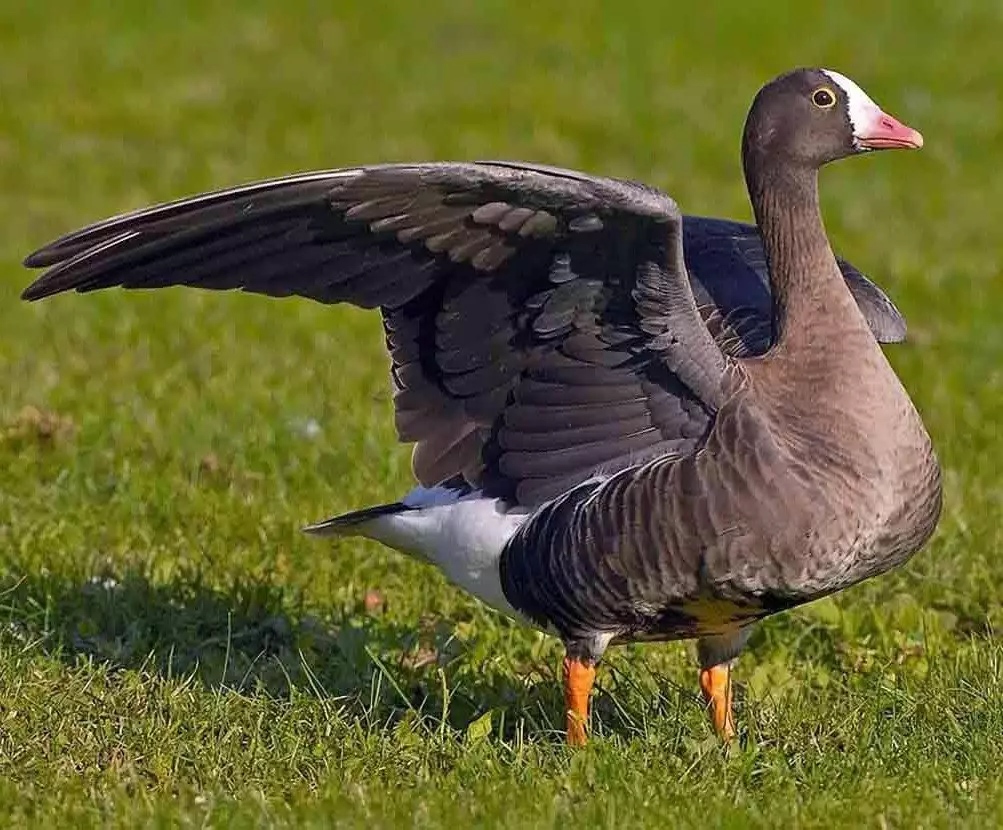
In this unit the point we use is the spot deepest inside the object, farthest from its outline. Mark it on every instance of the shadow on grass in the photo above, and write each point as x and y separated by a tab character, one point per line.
250	640
255	639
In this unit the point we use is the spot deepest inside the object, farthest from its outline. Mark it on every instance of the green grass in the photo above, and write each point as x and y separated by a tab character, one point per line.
174	652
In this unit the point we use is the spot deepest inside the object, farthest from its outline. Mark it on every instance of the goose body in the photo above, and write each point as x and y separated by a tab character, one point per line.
628	424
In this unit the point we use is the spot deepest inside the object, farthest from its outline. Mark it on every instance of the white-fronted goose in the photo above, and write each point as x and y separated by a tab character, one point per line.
601	453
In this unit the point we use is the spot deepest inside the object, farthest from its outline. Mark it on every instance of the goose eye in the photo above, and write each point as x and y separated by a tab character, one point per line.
823	98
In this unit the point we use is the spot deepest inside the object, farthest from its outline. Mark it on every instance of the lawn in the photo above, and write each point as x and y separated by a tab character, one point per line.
174	652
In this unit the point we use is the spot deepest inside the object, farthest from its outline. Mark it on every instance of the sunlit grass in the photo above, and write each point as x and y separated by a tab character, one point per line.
173	650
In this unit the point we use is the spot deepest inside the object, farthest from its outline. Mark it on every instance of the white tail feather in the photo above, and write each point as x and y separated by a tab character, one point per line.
464	540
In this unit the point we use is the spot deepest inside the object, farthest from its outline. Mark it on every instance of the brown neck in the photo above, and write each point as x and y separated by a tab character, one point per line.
811	303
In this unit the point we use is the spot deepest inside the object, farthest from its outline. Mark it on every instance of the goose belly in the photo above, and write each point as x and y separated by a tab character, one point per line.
713	542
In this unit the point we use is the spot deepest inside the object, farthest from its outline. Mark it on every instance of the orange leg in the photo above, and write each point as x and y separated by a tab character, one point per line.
578	679
715	683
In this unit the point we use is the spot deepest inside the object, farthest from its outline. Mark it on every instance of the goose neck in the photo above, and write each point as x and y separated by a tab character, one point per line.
810	299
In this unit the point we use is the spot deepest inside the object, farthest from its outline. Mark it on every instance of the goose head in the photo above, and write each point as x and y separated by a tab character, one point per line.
809	117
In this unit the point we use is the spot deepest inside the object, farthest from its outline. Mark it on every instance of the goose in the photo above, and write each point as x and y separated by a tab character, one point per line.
629	425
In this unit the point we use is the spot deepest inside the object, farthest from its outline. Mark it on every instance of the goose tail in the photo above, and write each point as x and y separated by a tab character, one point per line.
452	526
355	523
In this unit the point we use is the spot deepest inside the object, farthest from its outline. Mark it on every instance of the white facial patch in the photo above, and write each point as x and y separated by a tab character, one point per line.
863	112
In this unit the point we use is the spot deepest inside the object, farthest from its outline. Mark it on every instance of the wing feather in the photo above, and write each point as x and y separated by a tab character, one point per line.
541	322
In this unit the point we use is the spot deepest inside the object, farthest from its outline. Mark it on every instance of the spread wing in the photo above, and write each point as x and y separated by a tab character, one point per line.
540	322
